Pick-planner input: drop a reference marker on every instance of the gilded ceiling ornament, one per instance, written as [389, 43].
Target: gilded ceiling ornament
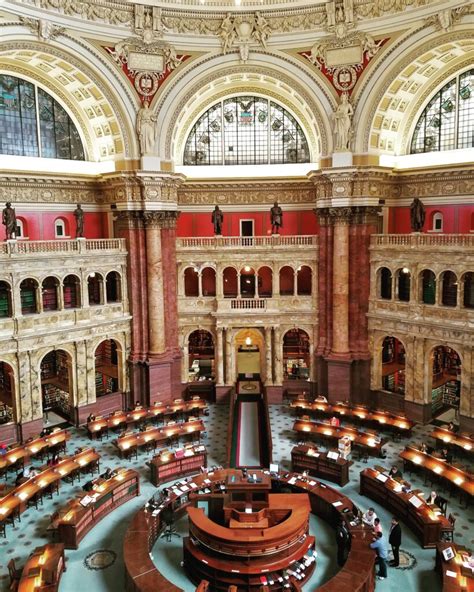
[445, 19]
[242, 32]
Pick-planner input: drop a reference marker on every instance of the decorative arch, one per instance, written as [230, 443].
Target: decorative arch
[56, 370]
[393, 365]
[6, 302]
[445, 379]
[296, 354]
[8, 398]
[109, 366]
[201, 354]
[391, 99]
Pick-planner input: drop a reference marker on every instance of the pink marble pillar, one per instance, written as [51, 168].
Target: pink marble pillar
[340, 291]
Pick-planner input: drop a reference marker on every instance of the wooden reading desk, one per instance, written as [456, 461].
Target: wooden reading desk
[425, 521]
[448, 438]
[319, 464]
[439, 467]
[382, 419]
[171, 431]
[372, 442]
[80, 515]
[167, 465]
[455, 573]
[34, 447]
[43, 570]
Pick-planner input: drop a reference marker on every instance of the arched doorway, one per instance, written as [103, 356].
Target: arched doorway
[56, 387]
[247, 282]
[5, 300]
[7, 394]
[250, 351]
[106, 368]
[393, 365]
[201, 355]
[445, 380]
[191, 282]
[296, 355]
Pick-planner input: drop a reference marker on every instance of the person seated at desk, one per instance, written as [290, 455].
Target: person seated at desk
[54, 460]
[446, 455]
[452, 427]
[91, 417]
[433, 499]
[29, 472]
[45, 432]
[107, 474]
[321, 399]
[395, 473]
[3, 449]
[335, 422]
[369, 517]
[138, 405]
[377, 526]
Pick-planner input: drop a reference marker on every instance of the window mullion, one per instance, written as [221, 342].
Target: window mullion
[38, 132]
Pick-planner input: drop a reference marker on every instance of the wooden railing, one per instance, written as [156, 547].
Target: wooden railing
[415, 241]
[233, 242]
[89, 246]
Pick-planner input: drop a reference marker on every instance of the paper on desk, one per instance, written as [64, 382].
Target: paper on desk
[336, 504]
[193, 485]
[292, 481]
[312, 483]
[451, 574]
[184, 488]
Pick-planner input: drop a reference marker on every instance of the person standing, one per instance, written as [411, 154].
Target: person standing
[342, 540]
[379, 544]
[395, 540]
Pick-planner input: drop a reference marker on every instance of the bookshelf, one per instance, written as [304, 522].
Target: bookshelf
[166, 467]
[437, 398]
[50, 299]
[5, 308]
[28, 300]
[317, 463]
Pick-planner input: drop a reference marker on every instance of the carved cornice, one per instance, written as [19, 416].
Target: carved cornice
[166, 219]
[346, 215]
[160, 188]
[43, 189]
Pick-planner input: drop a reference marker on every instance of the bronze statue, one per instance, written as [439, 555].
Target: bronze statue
[79, 215]
[217, 219]
[276, 216]
[417, 215]
[9, 221]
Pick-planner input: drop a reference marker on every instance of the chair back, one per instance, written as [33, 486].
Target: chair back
[12, 571]
[452, 520]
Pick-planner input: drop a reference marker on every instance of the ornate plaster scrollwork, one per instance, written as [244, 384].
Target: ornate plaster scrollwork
[242, 32]
[445, 19]
[165, 219]
[45, 30]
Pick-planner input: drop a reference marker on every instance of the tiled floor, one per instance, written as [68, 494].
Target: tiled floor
[108, 534]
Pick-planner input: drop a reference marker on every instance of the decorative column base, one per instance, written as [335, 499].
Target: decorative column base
[222, 394]
[419, 412]
[339, 379]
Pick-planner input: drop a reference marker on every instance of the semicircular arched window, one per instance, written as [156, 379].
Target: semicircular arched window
[246, 130]
[447, 122]
[32, 123]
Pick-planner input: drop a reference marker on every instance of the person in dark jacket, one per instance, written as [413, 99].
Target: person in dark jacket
[395, 540]
[343, 541]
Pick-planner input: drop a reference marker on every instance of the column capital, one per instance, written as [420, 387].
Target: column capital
[161, 219]
[130, 219]
[346, 215]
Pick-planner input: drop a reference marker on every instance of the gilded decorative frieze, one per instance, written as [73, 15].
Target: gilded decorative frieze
[32, 189]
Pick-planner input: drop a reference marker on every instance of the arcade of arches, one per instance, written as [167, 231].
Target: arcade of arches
[312, 273]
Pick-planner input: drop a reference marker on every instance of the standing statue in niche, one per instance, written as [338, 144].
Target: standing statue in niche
[217, 219]
[276, 216]
[417, 215]
[343, 124]
[146, 129]
[79, 216]
[9, 221]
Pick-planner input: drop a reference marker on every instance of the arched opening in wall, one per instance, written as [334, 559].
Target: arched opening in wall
[107, 357]
[191, 282]
[449, 289]
[296, 355]
[437, 222]
[428, 287]
[247, 282]
[287, 281]
[29, 296]
[446, 381]
[5, 300]
[303, 280]
[229, 276]
[208, 280]
[7, 394]
[393, 365]
[468, 289]
[95, 285]
[113, 287]
[56, 387]
[201, 355]
[385, 283]
[72, 291]
[50, 293]
[61, 228]
[250, 352]
[265, 282]
[21, 228]
[403, 284]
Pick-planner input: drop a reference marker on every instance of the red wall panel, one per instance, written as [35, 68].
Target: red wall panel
[40, 225]
[456, 219]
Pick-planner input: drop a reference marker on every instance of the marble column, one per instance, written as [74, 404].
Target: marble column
[229, 354]
[277, 357]
[185, 364]
[268, 356]
[219, 356]
[340, 293]
[155, 291]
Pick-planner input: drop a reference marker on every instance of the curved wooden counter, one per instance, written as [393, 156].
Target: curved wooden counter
[357, 575]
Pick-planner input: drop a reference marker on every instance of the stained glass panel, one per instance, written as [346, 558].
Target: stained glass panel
[246, 130]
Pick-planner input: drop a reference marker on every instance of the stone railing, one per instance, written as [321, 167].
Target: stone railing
[421, 240]
[248, 304]
[246, 242]
[18, 248]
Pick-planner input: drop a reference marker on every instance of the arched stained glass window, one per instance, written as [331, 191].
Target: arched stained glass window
[32, 123]
[246, 130]
[447, 122]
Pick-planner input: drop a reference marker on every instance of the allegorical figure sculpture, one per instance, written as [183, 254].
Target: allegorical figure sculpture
[9, 220]
[343, 124]
[79, 216]
[227, 33]
[276, 217]
[262, 29]
[146, 129]
[417, 215]
[217, 219]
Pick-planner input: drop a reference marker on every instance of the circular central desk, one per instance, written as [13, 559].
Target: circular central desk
[142, 575]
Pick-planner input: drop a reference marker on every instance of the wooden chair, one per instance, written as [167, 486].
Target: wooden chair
[442, 504]
[448, 535]
[14, 573]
